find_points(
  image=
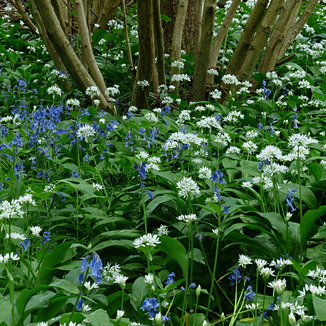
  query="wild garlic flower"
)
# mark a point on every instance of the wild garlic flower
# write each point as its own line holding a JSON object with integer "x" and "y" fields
{"x": 187, "y": 218}
{"x": 222, "y": 139}
{"x": 215, "y": 94}
{"x": 250, "y": 147}
{"x": 143, "y": 83}
{"x": 281, "y": 262}
{"x": 178, "y": 64}
{"x": 112, "y": 91}
{"x": 234, "y": 116}
{"x": 90, "y": 286}
{"x": 15, "y": 236}
{"x": 149, "y": 279}
{"x": 270, "y": 152}
{"x": 278, "y": 286}
{"x": 247, "y": 184}
{"x": 11, "y": 209}
{"x": 147, "y": 240}
{"x": 92, "y": 91}
{"x": 6, "y": 257}
{"x": 301, "y": 140}
{"x": 55, "y": 90}
{"x": 187, "y": 187}
{"x": 183, "y": 117}
{"x": 244, "y": 260}
{"x": 209, "y": 122}
{"x": 121, "y": 280}
{"x": 204, "y": 173}
{"x": 73, "y": 102}
{"x": 151, "y": 117}
{"x": 97, "y": 187}
{"x": 319, "y": 274}
{"x": 180, "y": 78}
{"x": 233, "y": 150}
{"x": 230, "y": 80}
{"x": 162, "y": 230}
{"x": 266, "y": 272}
{"x": 85, "y": 132}
{"x": 314, "y": 289}
{"x": 35, "y": 230}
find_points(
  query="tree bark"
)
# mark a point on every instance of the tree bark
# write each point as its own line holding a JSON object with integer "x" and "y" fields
{"x": 297, "y": 26}
{"x": 278, "y": 35}
{"x": 244, "y": 41}
{"x": 204, "y": 53}
{"x": 146, "y": 52}
{"x": 65, "y": 51}
{"x": 258, "y": 44}
{"x": 159, "y": 42}
{"x": 177, "y": 33}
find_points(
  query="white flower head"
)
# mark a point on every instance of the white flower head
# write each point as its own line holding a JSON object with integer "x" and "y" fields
{"x": 85, "y": 132}
{"x": 36, "y": 230}
{"x": 187, "y": 187}
{"x": 147, "y": 240}
{"x": 163, "y": 230}
{"x": 187, "y": 218}
{"x": 92, "y": 91}
{"x": 278, "y": 286}
{"x": 244, "y": 261}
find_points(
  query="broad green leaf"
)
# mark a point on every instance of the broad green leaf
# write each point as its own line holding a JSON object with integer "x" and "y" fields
{"x": 174, "y": 249}
{"x": 138, "y": 291}
{"x": 196, "y": 319}
{"x": 123, "y": 243}
{"x": 39, "y": 301}
{"x": 65, "y": 285}
{"x": 25, "y": 295}
{"x": 5, "y": 315}
{"x": 98, "y": 318}
{"x": 320, "y": 307}
{"x": 276, "y": 221}
{"x": 307, "y": 222}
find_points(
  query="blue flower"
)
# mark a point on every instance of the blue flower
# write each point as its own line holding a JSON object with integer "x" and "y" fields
{"x": 25, "y": 244}
{"x": 150, "y": 305}
{"x": 96, "y": 266}
{"x": 170, "y": 279}
{"x": 290, "y": 198}
{"x": 235, "y": 277}
{"x": 218, "y": 177}
{"x": 250, "y": 294}
{"x": 80, "y": 304}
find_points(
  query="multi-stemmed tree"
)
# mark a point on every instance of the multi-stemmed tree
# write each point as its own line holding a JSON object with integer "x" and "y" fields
{"x": 268, "y": 33}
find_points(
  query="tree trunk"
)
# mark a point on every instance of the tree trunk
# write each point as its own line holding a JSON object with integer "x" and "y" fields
{"x": 146, "y": 52}
{"x": 244, "y": 41}
{"x": 204, "y": 53}
{"x": 278, "y": 36}
{"x": 65, "y": 51}
{"x": 297, "y": 26}
{"x": 177, "y": 33}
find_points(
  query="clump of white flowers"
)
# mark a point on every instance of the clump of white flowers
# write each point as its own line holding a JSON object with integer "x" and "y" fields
{"x": 187, "y": 187}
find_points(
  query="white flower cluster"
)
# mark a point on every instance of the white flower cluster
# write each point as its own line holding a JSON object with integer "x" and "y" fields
{"x": 209, "y": 122}
{"x": 92, "y": 91}
{"x": 54, "y": 90}
{"x": 180, "y": 78}
{"x": 234, "y": 116}
{"x": 151, "y": 117}
{"x": 14, "y": 208}
{"x": 222, "y": 139}
{"x": 152, "y": 163}
{"x": 6, "y": 257}
{"x": 178, "y": 138}
{"x": 147, "y": 240}
{"x": 183, "y": 117}
{"x": 187, "y": 218}
{"x": 85, "y": 132}
{"x": 204, "y": 173}
{"x": 187, "y": 187}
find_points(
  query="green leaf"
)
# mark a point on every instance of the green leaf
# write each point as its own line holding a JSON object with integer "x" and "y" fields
{"x": 320, "y": 307}
{"x": 39, "y": 301}
{"x": 306, "y": 224}
{"x": 98, "y": 318}
{"x": 53, "y": 258}
{"x": 5, "y": 305}
{"x": 138, "y": 291}
{"x": 173, "y": 248}
{"x": 65, "y": 285}
{"x": 25, "y": 296}
{"x": 196, "y": 319}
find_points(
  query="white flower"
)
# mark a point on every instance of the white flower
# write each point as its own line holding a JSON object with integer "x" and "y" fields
{"x": 250, "y": 147}
{"x": 85, "y": 132}
{"x": 212, "y": 72}
{"x": 215, "y": 94}
{"x": 27, "y": 198}
{"x": 92, "y": 91}
{"x": 162, "y": 230}
{"x": 54, "y": 90}
{"x": 180, "y": 77}
{"x": 150, "y": 116}
{"x": 120, "y": 314}
{"x": 149, "y": 279}
{"x": 132, "y": 109}
{"x": 292, "y": 318}
{"x": 10, "y": 209}
{"x": 121, "y": 280}
{"x": 253, "y": 306}
{"x": 50, "y": 187}
{"x": 260, "y": 263}
{"x": 209, "y": 122}
{"x": 234, "y": 116}
{"x": 233, "y": 150}
{"x": 187, "y": 187}
{"x": 278, "y": 285}
{"x": 6, "y": 257}
{"x": 15, "y": 236}
{"x": 204, "y": 173}
{"x": 216, "y": 231}
{"x": 270, "y": 152}
{"x": 90, "y": 286}
{"x": 97, "y": 186}
{"x": 266, "y": 272}
{"x": 230, "y": 79}
{"x": 244, "y": 260}
{"x": 143, "y": 83}
{"x": 178, "y": 64}
{"x": 112, "y": 91}
{"x": 222, "y": 138}
{"x": 187, "y": 218}
{"x": 301, "y": 139}
{"x": 183, "y": 116}
{"x": 147, "y": 240}
{"x": 247, "y": 184}
{"x": 42, "y": 323}
{"x": 281, "y": 262}
{"x": 73, "y": 102}
{"x": 36, "y": 230}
